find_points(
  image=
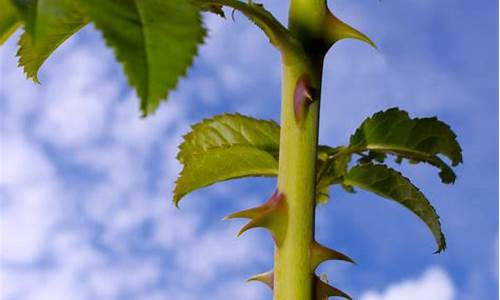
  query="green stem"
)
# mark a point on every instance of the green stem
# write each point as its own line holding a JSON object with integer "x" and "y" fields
{"x": 293, "y": 276}
{"x": 296, "y": 180}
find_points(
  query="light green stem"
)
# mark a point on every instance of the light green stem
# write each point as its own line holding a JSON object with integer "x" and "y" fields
{"x": 297, "y": 165}
{"x": 296, "y": 180}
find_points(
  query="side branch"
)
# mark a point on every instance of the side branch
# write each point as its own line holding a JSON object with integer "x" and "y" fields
{"x": 278, "y": 34}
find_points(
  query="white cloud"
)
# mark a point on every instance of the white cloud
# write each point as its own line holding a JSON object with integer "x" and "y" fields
{"x": 434, "y": 284}
{"x": 85, "y": 211}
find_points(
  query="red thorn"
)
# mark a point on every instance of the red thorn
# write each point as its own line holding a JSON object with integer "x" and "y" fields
{"x": 271, "y": 215}
{"x": 266, "y": 278}
{"x": 320, "y": 253}
{"x": 324, "y": 291}
{"x": 302, "y": 97}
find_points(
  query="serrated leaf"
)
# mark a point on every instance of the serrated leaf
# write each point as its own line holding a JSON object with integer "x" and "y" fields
{"x": 48, "y": 24}
{"x": 235, "y": 129}
{"x": 229, "y": 130}
{"x": 390, "y": 184}
{"x": 155, "y": 40}
{"x": 419, "y": 140}
{"x": 9, "y": 20}
{"x": 224, "y": 163}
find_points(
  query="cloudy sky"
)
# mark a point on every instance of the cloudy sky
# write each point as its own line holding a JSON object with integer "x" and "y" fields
{"x": 85, "y": 191}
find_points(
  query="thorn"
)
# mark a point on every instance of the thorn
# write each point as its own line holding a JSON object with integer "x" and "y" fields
{"x": 336, "y": 30}
{"x": 320, "y": 253}
{"x": 323, "y": 290}
{"x": 271, "y": 215}
{"x": 302, "y": 97}
{"x": 266, "y": 278}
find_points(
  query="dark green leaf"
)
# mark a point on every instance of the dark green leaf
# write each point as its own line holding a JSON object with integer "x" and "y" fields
{"x": 9, "y": 20}
{"x": 390, "y": 184}
{"x": 419, "y": 140}
{"x": 27, "y": 12}
{"x": 156, "y": 41}
{"x": 48, "y": 24}
{"x": 219, "y": 164}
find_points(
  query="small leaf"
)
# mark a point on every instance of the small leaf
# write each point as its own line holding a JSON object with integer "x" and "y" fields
{"x": 390, "y": 184}
{"x": 155, "y": 40}
{"x": 9, "y": 20}
{"x": 48, "y": 25}
{"x": 419, "y": 140}
{"x": 331, "y": 169}
{"x": 219, "y": 164}
{"x": 229, "y": 130}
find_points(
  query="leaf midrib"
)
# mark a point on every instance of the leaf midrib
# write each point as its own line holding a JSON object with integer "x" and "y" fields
{"x": 146, "y": 55}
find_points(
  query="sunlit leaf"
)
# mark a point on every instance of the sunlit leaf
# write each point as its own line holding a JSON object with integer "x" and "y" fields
{"x": 228, "y": 130}
{"x": 224, "y": 163}
{"x": 390, "y": 184}
{"x": 225, "y": 147}
{"x": 47, "y": 25}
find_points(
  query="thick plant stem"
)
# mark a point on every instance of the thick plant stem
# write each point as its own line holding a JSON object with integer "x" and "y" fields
{"x": 296, "y": 180}
{"x": 293, "y": 277}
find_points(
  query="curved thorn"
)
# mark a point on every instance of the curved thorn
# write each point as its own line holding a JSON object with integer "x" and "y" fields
{"x": 266, "y": 278}
{"x": 302, "y": 97}
{"x": 320, "y": 253}
{"x": 271, "y": 215}
{"x": 324, "y": 291}
{"x": 336, "y": 30}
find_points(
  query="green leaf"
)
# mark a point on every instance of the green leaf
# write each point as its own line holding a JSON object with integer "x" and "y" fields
{"x": 225, "y": 147}
{"x": 9, "y": 20}
{"x": 419, "y": 140}
{"x": 331, "y": 170}
{"x": 219, "y": 164}
{"x": 27, "y": 12}
{"x": 155, "y": 40}
{"x": 48, "y": 25}
{"x": 229, "y": 130}
{"x": 390, "y": 184}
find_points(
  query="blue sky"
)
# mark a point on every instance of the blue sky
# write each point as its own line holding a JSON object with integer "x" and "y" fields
{"x": 86, "y": 184}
